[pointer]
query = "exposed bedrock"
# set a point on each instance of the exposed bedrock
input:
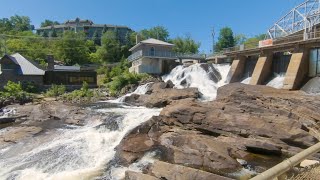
(244, 123)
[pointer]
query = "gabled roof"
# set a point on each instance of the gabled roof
(151, 41)
(27, 67)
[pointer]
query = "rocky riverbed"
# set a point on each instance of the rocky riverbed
(247, 129)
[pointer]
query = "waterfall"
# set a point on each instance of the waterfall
(73, 152)
(277, 81)
(206, 77)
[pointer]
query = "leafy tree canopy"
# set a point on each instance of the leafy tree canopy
(15, 23)
(158, 32)
(47, 22)
(226, 39)
(185, 45)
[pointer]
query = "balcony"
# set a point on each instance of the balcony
(155, 54)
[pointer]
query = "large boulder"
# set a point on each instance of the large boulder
(162, 94)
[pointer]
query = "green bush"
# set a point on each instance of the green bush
(83, 95)
(30, 87)
(13, 93)
(123, 80)
(56, 90)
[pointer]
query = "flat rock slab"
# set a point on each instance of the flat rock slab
(176, 172)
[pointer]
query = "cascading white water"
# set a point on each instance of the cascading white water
(143, 89)
(73, 152)
(197, 77)
(246, 80)
(277, 82)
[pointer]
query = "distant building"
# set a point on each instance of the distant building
(152, 56)
(16, 68)
(87, 26)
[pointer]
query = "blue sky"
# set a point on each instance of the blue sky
(180, 17)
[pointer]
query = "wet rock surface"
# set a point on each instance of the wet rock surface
(161, 94)
(256, 124)
(31, 119)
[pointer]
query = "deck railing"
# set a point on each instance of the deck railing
(166, 54)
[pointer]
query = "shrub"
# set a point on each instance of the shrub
(30, 87)
(83, 95)
(56, 90)
(123, 80)
(13, 93)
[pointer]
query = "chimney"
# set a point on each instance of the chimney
(138, 38)
(50, 61)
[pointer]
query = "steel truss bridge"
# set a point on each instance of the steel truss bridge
(303, 18)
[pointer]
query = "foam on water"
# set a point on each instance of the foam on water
(72, 153)
(197, 77)
(277, 82)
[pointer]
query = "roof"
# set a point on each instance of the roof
(66, 68)
(151, 41)
(27, 67)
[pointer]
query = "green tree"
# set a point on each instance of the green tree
(240, 39)
(185, 45)
(110, 49)
(20, 23)
(158, 32)
(5, 25)
(96, 38)
(72, 48)
(254, 41)
(47, 22)
(226, 39)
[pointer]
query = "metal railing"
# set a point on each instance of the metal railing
(279, 41)
(165, 54)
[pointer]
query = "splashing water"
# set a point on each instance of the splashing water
(207, 80)
(277, 82)
(246, 80)
(143, 89)
(73, 152)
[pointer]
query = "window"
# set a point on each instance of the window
(152, 51)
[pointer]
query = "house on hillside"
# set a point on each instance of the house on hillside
(16, 68)
(152, 56)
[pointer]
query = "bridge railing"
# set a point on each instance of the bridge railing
(279, 41)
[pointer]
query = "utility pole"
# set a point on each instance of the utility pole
(213, 33)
